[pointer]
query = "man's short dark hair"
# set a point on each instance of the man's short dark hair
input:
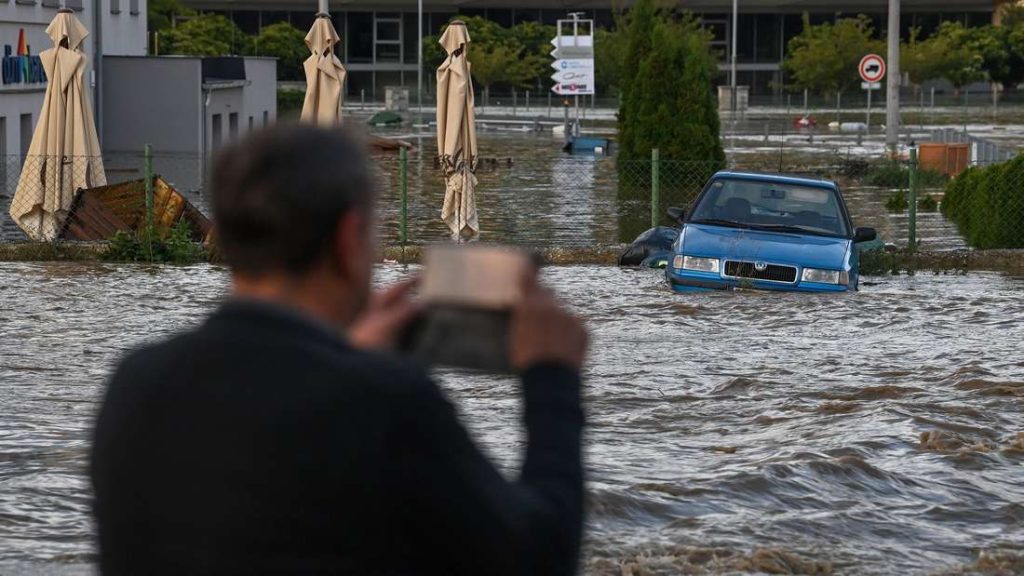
(279, 194)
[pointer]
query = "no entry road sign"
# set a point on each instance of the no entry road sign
(872, 68)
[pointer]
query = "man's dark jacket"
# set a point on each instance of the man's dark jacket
(263, 443)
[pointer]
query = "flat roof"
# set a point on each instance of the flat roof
(790, 6)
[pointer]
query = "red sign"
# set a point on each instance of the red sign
(872, 68)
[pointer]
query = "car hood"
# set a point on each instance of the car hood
(804, 250)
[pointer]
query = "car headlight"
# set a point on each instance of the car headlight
(695, 263)
(825, 276)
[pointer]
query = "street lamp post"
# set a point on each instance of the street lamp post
(893, 79)
(732, 71)
(419, 62)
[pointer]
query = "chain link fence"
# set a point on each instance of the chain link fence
(555, 201)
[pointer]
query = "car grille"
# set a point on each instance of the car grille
(771, 273)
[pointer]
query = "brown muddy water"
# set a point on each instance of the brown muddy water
(869, 433)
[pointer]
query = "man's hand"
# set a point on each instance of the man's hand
(389, 312)
(544, 332)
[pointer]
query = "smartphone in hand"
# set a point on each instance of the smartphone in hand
(468, 293)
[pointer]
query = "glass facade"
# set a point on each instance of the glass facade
(380, 47)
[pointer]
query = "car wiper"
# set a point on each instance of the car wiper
(721, 222)
(791, 228)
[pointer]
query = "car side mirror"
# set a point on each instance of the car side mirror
(864, 235)
(676, 214)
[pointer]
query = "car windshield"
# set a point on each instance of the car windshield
(771, 206)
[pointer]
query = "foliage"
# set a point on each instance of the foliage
(609, 50)
(824, 58)
(286, 43)
(897, 201)
(963, 62)
(987, 204)
(928, 203)
(922, 59)
(173, 246)
(667, 102)
(535, 38)
(207, 35)
(160, 14)
(497, 55)
(290, 100)
(892, 175)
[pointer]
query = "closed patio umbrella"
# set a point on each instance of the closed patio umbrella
(64, 154)
(456, 134)
(325, 75)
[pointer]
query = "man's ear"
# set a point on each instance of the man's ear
(350, 243)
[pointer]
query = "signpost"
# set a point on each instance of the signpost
(872, 70)
(574, 64)
(574, 57)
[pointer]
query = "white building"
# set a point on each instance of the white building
(116, 27)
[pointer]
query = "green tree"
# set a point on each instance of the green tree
(965, 54)
(207, 35)
(824, 58)
(638, 39)
(160, 14)
(676, 111)
(496, 55)
(288, 44)
(609, 50)
(535, 39)
(922, 60)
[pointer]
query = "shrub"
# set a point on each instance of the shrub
(173, 246)
(987, 205)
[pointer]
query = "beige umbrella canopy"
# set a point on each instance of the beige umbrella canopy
(64, 154)
(325, 75)
(456, 134)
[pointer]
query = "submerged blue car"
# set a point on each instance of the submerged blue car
(766, 231)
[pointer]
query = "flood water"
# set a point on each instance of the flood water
(533, 194)
(872, 433)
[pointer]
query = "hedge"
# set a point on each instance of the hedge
(987, 204)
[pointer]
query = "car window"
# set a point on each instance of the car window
(772, 204)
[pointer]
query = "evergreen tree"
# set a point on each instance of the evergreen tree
(667, 102)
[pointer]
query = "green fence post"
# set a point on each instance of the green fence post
(912, 202)
(403, 178)
(655, 188)
(149, 200)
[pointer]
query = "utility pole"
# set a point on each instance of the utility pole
(732, 71)
(893, 80)
(419, 62)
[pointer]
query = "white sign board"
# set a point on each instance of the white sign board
(574, 58)
(872, 68)
(573, 76)
(871, 85)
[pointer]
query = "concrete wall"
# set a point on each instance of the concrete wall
(261, 94)
(154, 101)
(123, 34)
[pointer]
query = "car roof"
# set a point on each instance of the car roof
(781, 178)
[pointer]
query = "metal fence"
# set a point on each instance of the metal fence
(581, 201)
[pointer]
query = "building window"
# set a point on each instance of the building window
(233, 125)
(75, 5)
(115, 6)
(26, 134)
(387, 39)
(217, 131)
(360, 37)
(51, 3)
(133, 7)
(25, 2)
(266, 117)
(250, 124)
